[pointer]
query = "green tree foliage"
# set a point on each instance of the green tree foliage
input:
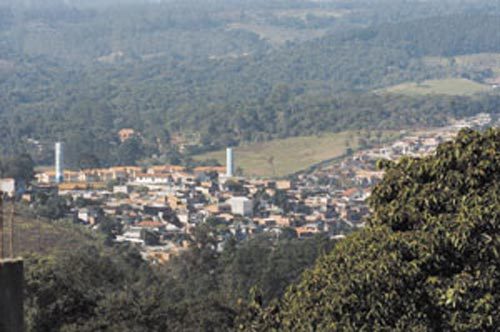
(88, 161)
(110, 228)
(50, 206)
(130, 151)
(428, 261)
(19, 168)
(96, 288)
(67, 289)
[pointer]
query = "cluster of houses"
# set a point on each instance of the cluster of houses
(159, 207)
(425, 142)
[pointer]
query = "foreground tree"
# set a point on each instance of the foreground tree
(428, 261)
(110, 288)
(20, 168)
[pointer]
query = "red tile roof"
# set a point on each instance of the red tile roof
(350, 192)
(150, 224)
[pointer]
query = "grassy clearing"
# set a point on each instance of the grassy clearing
(279, 35)
(41, 236)
(303, 13)
(451, 86)
(282, 157)
(471, 63)
(480, 61)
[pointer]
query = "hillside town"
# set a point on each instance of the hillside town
(158, 208)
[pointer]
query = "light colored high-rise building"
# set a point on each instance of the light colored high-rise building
(241, 205)
(59, 162)
(229, 163)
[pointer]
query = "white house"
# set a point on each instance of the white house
(241, 205)
(10, 187)
(153, 179)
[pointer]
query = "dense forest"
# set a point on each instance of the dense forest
(427, 261)
(96, 288)
(225, 72)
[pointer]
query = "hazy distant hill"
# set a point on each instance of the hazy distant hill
(228, 71)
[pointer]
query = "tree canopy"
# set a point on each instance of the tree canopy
(95, 288)
(20, 168)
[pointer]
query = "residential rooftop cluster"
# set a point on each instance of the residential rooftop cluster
(159, 208)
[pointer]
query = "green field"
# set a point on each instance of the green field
(286, 156)
(451, 86)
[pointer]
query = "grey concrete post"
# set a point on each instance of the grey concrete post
(11, 295)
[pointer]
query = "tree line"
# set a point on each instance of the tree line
(100, 288)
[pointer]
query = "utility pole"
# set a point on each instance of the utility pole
(11, 230)
(39, 224)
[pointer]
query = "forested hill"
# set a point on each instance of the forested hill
(227, 71)
(436, 36)
(374, 56)
(464, 34)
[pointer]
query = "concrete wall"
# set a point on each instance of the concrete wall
(11, 295)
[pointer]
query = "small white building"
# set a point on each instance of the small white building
(120, 189)
(131, 234)
(183, 216)
(154, 179)
(8, 186)
(241, 205)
